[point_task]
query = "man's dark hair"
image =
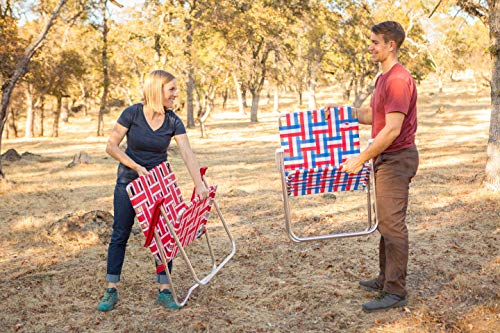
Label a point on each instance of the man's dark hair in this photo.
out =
(390, 30)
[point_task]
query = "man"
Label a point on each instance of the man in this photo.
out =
(393, 116)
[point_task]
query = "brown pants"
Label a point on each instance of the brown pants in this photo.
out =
(393, 174)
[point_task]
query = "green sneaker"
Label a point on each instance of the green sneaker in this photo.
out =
(109, 300)
(166, 300)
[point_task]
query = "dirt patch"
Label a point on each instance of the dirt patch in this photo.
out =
(76, 227)
(6, 185)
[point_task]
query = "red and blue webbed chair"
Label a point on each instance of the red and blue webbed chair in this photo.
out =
(313, 146)
(171, 224)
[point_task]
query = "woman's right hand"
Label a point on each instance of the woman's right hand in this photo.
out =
(142, 171)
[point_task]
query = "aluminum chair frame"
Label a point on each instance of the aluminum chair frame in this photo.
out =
(372, 220)
(162, 254)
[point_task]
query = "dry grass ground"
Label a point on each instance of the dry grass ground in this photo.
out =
(52, 281)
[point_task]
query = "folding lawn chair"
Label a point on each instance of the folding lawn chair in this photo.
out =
(313, 146)
(172, 223)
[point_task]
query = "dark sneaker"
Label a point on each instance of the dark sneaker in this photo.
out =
(384, 301)
(166, 300)
(109, 300)
(371, 285)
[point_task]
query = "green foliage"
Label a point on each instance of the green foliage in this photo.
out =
(297, 43)
(349, 61)
(11, 47)
(415, 58)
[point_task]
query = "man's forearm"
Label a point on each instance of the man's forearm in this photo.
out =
(391, 130)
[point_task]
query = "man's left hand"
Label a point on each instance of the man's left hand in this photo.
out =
(352, 165)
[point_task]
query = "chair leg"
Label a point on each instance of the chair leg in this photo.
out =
(215, 267)
(288, 220)
(226, 228)
(209, 245)
(371, 207)
(163, 258)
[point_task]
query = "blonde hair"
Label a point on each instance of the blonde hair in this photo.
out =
(153, 89)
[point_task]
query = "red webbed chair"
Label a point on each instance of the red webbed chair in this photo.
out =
(313, 146)
(171, 224)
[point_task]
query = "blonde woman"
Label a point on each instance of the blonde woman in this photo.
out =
(149, 128)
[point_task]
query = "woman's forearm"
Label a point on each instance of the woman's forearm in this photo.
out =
(119, 155)
(192, 165)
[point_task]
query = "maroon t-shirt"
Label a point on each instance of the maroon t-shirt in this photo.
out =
(395, 91)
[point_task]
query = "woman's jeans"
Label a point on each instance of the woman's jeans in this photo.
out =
(124, 215)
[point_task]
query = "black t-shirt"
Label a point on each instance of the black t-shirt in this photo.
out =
(146, 147)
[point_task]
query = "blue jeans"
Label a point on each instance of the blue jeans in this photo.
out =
(123, 221)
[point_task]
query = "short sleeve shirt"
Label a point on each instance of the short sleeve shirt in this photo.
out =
(395, 91)
(146, 147)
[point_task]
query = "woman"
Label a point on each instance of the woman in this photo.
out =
(149, 128)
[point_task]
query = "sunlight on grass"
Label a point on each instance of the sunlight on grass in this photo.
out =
(452, 220)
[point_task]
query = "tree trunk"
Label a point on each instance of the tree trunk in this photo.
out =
(22, 68)
(255, 105)
(190, 71)
(237, 86)
(2, 174)
(105, 73)
(42, 114)
(225, 95)
(190, 102)
(57, 115)
(65, 111)
(244, 96)
(28, 133)
(209, 107)
(312, 95)
(492, 169)
(199, 101)
(276, 106)
(12, 123)
(126, 93)
(360, 97)
(85, 99)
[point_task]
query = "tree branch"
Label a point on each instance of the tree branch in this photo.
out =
(116, 3)
(435, 8)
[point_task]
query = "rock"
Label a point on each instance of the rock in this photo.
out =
(29, 155)
(11, 155)
(79, 158)
(330, 196)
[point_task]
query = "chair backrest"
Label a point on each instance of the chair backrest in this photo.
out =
(319, 138)
(161, 183)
